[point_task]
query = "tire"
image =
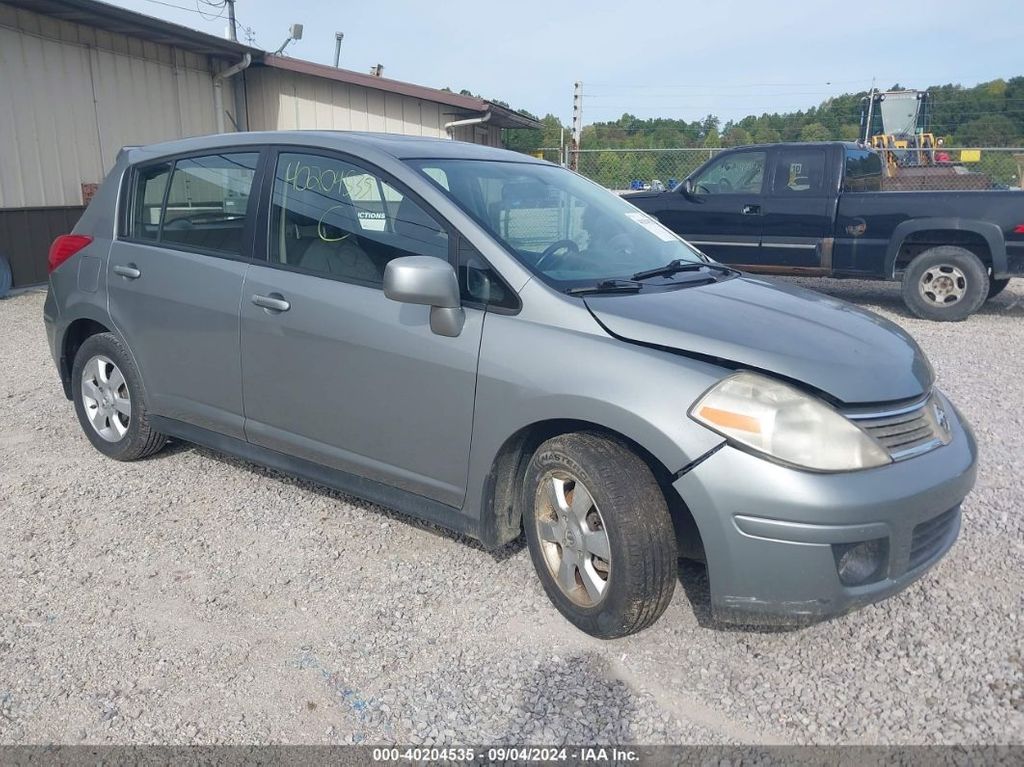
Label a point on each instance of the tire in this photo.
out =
(113, 411)
(995, 287)
(624, 503)
(945, 284)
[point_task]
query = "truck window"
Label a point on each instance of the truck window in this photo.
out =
(799, 172)
(734, 173)
(863, 171)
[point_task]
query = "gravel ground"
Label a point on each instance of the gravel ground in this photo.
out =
(195, 598)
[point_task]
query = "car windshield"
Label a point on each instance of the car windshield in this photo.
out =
(561, 226)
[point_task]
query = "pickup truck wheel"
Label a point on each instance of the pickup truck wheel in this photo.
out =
(945, 283)
(995, 287)
(599, 534)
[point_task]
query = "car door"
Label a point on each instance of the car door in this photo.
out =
(175, 279)
(798, 211)
(334, 372)
(722, 215)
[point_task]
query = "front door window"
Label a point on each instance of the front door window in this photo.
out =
(734, 173)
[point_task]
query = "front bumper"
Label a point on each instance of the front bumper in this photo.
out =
(770, 532)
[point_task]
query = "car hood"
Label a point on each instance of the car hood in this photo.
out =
(852, 355)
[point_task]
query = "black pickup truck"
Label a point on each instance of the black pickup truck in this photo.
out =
(819, 209)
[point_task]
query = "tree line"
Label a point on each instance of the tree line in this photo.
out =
(990, 114)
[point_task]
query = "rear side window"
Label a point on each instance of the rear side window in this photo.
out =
(150, 187)
(332, 218)
(202, 207)
(799, 172)
(863, 171)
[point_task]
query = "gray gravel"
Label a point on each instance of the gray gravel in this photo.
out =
(195, 598)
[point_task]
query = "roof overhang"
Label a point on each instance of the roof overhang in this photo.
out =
(110, 18)
(459, 105)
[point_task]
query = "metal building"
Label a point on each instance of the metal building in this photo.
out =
(79, 79)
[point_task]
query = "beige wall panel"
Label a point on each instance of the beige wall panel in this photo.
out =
(75, 95)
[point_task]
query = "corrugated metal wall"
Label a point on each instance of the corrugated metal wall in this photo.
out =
(73, 95)
(281, 100)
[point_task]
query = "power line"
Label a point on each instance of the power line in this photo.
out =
(219, 6)
(179, 7)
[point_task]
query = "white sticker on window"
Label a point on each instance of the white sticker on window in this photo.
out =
(371, 221)
(653, 226)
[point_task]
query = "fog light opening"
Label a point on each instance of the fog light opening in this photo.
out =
(863, 562)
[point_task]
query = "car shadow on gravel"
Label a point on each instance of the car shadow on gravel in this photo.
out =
(693, 577)
(499, 555)
(575, 698)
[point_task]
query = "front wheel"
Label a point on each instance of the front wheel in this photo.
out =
(945, 283)
(599, 534)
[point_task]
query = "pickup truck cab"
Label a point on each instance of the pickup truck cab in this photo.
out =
(819, 209)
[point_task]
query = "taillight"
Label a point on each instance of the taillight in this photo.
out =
(1019, 229)
(64, 247)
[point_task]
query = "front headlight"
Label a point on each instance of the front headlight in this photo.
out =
(781, 421)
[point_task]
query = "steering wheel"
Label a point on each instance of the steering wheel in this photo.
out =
(550, 250)
(724, 185)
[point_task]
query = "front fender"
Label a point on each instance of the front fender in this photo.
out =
(533, 373)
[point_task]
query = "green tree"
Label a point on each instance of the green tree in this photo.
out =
(990, 130)
(736, 135)
(815, 132)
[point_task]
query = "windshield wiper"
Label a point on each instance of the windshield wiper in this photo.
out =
(607, 286)
(678, 265)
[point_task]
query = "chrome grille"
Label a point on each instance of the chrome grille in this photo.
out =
(908, 431)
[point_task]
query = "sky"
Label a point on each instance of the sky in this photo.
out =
(680, 59)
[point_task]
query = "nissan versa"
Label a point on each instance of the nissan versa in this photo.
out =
(496, 345)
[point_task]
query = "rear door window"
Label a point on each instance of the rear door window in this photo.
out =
(194, 203)
(799, 172)
(207, 202)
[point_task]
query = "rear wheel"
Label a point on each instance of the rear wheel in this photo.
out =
(995, 287)
(599, 534)
(110, 401)
(945, 283)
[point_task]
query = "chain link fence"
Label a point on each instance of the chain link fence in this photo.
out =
(959, 168)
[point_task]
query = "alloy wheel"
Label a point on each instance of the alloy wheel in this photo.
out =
(573, 538)
(106, 398)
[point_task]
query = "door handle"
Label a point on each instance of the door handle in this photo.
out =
(131, 271)
(273, 303)
(751, 210)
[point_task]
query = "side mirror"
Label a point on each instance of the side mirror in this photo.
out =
(429, 281)
(689, 191)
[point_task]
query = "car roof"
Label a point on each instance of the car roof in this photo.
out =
(355, 142)
(798, 145)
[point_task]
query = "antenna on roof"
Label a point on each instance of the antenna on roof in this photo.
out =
(338, 37)
(294, 33)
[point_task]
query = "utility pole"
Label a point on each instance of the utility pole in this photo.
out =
(232, 27)
(871, 107)
(577, 124)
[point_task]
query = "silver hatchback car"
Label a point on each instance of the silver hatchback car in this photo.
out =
(497, 345)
